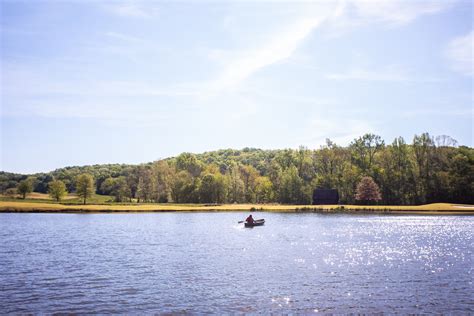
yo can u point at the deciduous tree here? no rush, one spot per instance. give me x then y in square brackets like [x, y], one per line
[368, 191]
[57, 190]
[263, 190]
[25, 187]
[364, 149]
[236, 186]
[85, 186]
[163, 174]
[291, 186]
[145, 185]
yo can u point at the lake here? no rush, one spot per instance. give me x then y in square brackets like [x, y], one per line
[207, 263]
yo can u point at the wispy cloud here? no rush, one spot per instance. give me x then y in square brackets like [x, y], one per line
[460, 53]
[279, 47]
[282, 45]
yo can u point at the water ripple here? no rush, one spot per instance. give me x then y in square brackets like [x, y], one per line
[205, 263]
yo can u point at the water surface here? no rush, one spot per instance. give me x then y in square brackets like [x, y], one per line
[206, 262]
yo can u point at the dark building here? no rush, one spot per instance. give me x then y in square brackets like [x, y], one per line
[325, 196]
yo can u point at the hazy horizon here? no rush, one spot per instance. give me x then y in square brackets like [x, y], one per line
[131, 82]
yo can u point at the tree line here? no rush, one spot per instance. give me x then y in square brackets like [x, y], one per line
[427, 170]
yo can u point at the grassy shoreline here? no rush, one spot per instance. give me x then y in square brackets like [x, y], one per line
[41, 207]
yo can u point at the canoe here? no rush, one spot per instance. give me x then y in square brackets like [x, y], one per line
[258, 222]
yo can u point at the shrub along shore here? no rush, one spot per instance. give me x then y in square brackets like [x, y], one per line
[428, 209]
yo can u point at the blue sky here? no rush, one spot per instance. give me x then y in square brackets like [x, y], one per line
[86, 82]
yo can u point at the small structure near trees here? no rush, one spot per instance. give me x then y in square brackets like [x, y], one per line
[325, 197]
[368, 191]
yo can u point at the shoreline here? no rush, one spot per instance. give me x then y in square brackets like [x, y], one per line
[427, 209]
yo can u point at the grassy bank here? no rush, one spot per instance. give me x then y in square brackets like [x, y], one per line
[41, 207]
[71, 198]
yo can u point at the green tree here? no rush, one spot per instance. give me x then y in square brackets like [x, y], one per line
[222, 188]
[461, 176]
[57, 190]
[207, 191]
[132, 175]
[424, 150]
[85, 186]
[364, 149]
[348, 182]
[285, 158]
[25, 187]
[185, 188]
[213, 186]
[402, 169]
[291, 187]
[326, 164]
[163, 174]
[275, 173]
[263, 190]
[368, 191]
[427, 171]
[41, 182]
[121, 190]
[108, 186]
[145, 186]
[305, 165]
[248, 175]
[189, 162]
[236, 186]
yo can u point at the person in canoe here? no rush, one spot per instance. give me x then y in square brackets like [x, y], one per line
[250, 219]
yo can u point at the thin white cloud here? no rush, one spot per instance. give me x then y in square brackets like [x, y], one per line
[459, 52]
[278, 48]
[280, 45]
[353, 13]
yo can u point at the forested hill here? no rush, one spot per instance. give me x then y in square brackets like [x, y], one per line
[425, 171]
